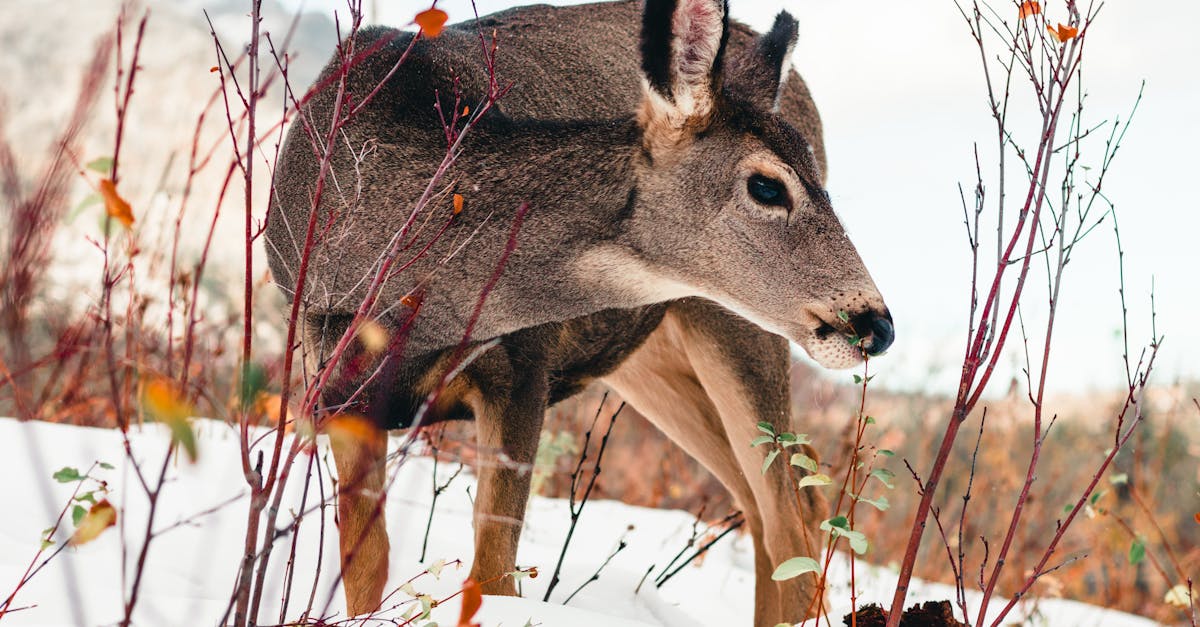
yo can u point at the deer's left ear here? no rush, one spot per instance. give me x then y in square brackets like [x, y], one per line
[682, 45]
[759, 72]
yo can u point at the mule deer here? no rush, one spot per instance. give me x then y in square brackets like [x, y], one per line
[679, 235]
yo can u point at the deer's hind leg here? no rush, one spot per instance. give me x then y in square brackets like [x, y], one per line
[359, 452]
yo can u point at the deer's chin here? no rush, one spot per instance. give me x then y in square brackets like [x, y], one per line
[833, 350]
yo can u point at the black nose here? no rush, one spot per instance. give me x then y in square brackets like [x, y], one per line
[876, 331]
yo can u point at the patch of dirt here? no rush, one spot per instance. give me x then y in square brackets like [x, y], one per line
[929, 614]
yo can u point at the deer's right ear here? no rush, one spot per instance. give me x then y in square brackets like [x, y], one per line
[682, 45]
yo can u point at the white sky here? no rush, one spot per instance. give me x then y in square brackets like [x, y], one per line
[902, 98]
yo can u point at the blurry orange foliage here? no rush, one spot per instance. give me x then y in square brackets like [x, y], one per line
[1030, 8]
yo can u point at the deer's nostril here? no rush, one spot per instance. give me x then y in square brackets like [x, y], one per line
[876, 330]
[882, 335]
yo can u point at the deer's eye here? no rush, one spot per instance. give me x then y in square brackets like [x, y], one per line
[767, 191]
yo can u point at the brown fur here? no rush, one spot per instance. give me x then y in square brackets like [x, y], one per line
[636, 212]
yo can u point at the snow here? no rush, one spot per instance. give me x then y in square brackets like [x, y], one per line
[190, 569]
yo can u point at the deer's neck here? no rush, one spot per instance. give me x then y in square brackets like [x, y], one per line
[579, 181]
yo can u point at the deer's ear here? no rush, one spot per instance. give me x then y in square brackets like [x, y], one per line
[682, 44]
[758, 73]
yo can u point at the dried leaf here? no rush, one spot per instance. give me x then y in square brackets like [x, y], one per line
[472, 596]
[1064, 33]
[412, 301]
[431, 21]
[1030, 8]
[458, 204]
[116, 206]
[101, 516]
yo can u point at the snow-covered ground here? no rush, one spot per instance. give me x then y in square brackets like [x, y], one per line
[191, 568]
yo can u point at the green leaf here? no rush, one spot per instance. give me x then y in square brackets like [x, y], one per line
[843, 316]
[252, 381]
[1119, 479]
[880, 503]
[870, 420]
[770, 458]
[1137, 551]
[182, 434]
[884, 476]
[857, 539]
[105, 465]
[760, 440]
[817, 480]
[66, 474]
[77, 514]
[91, 200]
[787, 437]
[800, 460]
[766, 428]
[1068, 508]
[46, 535]
[1096, 496]
[103, 165]
[840, 522]
[795, 567]
[858, 379]
[886, 453]
[87, 497]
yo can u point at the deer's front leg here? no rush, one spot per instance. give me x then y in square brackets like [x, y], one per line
[359, 451]
[507, 433]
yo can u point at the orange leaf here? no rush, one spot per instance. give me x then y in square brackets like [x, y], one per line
[101, 516]
[458, 204]
[472, 599]
[164, 401]
[1064, 33]
[1197, 518]
[213, 69]
[431, 21]
[466, 111]
[412, 301]
[1030, 8]
[116, 206]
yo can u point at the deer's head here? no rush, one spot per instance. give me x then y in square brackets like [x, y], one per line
[729, 201]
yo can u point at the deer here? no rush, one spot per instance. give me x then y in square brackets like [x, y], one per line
[677, 236]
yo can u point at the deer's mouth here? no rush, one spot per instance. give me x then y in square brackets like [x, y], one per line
[844, 342]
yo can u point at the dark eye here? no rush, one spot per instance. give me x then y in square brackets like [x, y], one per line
[767, 191]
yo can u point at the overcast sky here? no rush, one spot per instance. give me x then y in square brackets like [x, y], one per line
[902, 98]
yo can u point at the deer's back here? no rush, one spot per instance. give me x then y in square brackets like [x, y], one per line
[565, 63]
